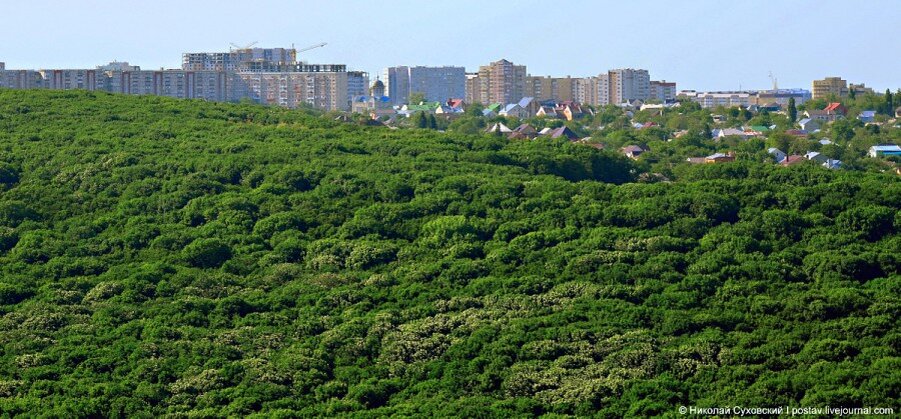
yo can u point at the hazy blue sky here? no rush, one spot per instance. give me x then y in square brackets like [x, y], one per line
[699, 44]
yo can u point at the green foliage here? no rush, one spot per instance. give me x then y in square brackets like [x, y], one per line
[207, 253]
[191, 259]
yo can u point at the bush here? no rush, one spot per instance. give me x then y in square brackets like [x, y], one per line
[207, 253]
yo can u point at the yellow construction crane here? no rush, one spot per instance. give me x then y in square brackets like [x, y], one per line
[238, 47]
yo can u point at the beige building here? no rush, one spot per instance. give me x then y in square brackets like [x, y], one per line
[323, 90]
[560, 89]
[662, 90]
[861, 89]
[830, 86]
[500, 82]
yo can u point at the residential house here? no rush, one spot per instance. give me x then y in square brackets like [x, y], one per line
[815, 156]
[770, 107]
[898, 112]
[569, 110]
[720, 158]
[564, 131]
[427, 107]
[499, 128]
[830, 113]
[488, 113]
[867, 116]
[547, 111]
[632, 151]
[513, 110]
[545, 131]
[719, 134]
[884, 150]
[809, 124]
[825, 141]
[832, 164]
[777, 154]
[524, 131]
[530, 105]
[797, 132]
[696, 160]
[447, 110]
[456, 103]
[758, 129]
[792, 160]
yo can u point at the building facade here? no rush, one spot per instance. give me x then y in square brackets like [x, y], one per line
[782, 96]
[501, 82]
[239, 59]
[662, 90]
[830, 86]
[357, 85]
[722, 98]
[265, 75]
[628, 84]
[436, 84]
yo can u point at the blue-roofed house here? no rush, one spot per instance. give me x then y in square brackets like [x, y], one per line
[867, 116]
[530, 105]
[777, 154]
[884, 150]
[832, 164]
[513, 110]
[810, 124]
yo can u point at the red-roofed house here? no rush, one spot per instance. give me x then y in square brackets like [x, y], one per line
[455, 103]
[792, 160]
[836, 108]
[831, 112]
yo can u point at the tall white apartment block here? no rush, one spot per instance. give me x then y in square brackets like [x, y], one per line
[436, 84]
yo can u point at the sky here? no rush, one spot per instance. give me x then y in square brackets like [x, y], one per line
[699, 44]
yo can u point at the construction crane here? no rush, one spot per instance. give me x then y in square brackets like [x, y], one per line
[238, 47]
[319, 45]
[775, 81]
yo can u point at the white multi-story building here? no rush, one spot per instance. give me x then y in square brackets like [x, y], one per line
[724, 98]
[69, 79]
[436, 84]
[20, 79]
[627, 84]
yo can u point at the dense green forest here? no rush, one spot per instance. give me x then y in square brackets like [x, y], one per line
[165, 257]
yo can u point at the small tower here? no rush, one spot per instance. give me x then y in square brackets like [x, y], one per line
[377, 90]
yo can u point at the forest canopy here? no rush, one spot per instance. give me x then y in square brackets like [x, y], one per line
[166, 257]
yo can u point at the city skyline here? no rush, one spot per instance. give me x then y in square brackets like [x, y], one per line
[733, 46]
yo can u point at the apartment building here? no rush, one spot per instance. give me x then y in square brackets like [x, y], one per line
[782, 96]
[323, 89]
[662, 90]
[20, 79]
[436, 84]
[500, 82]
[242, 59]
[397, 84]
[69, 79]
[830, 86]
[357, 85]
[471, 94]
[627, 84]
[721, 98]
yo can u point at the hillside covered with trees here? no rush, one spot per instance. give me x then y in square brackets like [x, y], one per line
[164, 257]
